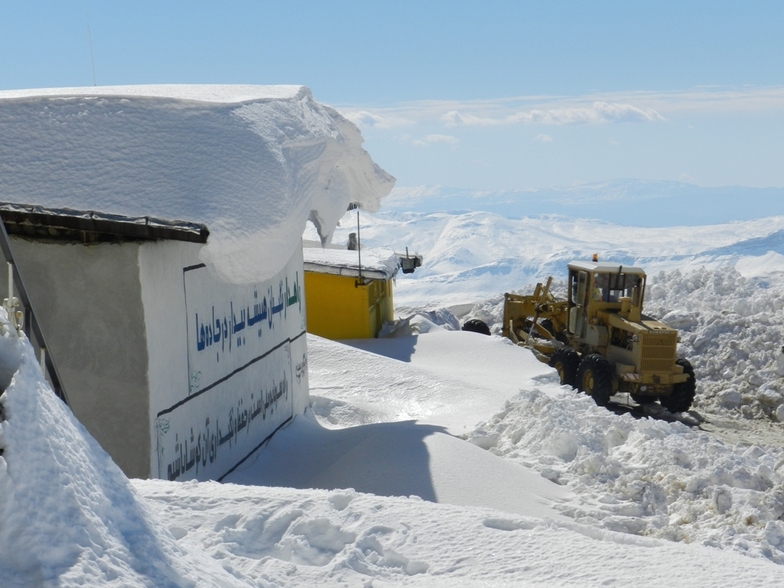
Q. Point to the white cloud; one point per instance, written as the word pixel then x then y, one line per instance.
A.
pixel 598 112
pixel 569 110
pixel 542 138
pixel 365 119
pixel 430 139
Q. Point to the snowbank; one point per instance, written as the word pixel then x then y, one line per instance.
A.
pixel 645 477
pixel 454 394
pixel 732 330
pixel 642 477
pixel 68 515
pixel 253 163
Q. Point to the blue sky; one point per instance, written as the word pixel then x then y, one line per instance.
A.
pixel 492 95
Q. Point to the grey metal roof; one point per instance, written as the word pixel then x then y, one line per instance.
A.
pixel 88 226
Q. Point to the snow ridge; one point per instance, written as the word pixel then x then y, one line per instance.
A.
pixel 645 477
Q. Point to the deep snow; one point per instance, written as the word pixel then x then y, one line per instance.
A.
pixel 469 464
pixel 70 518
pixel 253 163
pixel 722 286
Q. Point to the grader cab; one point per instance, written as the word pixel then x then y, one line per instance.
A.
pixel 598 338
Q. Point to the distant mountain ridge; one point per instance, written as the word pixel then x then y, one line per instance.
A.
pixel 643 203
pixel 474 255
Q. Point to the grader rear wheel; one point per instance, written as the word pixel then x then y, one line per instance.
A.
pixel 682 394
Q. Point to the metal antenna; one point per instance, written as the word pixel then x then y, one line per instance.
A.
pixel 359 248
pixel 90 42
pixel 355 206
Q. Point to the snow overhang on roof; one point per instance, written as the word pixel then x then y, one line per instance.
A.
pixel 91 227
pixel 254 163
pixel 377 264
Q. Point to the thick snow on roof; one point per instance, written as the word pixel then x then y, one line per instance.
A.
pixel 224 94
pixel 253 163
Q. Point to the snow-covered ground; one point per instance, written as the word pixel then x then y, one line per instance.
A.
pixel 549 489
pixel 445 457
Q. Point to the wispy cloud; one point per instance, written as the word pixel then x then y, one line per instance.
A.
pixel 430 139
pixel 598 112
pixel 708 100
pixel 606 108
pixel 542 138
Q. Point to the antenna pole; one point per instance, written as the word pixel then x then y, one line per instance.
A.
pixel 90 42
pixel 359 248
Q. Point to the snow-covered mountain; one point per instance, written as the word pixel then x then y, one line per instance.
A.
pixel 473 255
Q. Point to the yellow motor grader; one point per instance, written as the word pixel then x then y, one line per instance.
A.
pixel 599 340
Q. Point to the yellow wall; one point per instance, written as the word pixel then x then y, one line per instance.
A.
pixel 337 308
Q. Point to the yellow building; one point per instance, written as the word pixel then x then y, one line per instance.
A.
pixel 344 300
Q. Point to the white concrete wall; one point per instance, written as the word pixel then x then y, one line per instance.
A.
pixel 227 363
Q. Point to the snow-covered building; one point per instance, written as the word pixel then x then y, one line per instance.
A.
pixel 157 234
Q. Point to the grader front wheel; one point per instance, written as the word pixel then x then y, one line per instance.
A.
pixel 476 326
pixel 594 377
pixel 566 361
